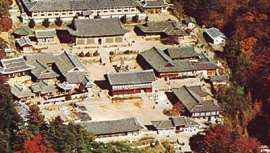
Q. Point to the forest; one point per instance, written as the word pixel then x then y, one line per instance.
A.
pixel 34 135
pixel 246 104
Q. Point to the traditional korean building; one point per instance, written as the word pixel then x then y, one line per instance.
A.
pixel 24 44
pixel 125 83
pixel 221 80
pixel 73 73
pixel 98 32
pixel 177 63
pixel 46 37
pixel 214 36
pixel 114 128
pixel 161 30
pixel 43 64
pixel 154 6
pixel 164 127
pixel 175 125
pixel 21 92
pixel 14 67
pixel 43 88
pixel 53 76
pixel 39 10
pixel 197 102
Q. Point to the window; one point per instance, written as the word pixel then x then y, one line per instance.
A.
pixel 112 10
pixel 49 14
pixel 109 40
pixel 56 14
pixel 119 10
pixel 80 41
pixel 125 10
pixel 42 14
pixel 64 13
pixel 90 41
pixel 70 13
pixel 118 39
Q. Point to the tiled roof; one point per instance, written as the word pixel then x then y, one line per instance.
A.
pixel 20 91
pixel 162 124
pixel 97 27
pixel 182 52
pixel 112 126
pixel 183 121
pixel 219 78
pixel 193 101
pixel 48 33
pixel 154 3
pixel 214 33
pixel 64 5
pixel 68 62
pixel 43 87
pixel 174 122
pixel 167 27
pixel 13 65
pixel 124 78
pixel 40 62
pixel 24 41
pixel 159 61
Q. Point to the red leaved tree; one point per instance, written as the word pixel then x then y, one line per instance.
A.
pixel 5 24
pixel 35 145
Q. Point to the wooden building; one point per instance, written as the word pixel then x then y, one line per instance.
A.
pixel 125 83
pixel 46 37
pixel 114 128
pixel 154 6
pixel 162 30
pixel 214 36
pixel 66 10
pixel 197 102
pixel 175 125
pixel 24 44
pixel 54 77
pixel 98 32
pixel 175 63
pixel 14 67
pixel 217 81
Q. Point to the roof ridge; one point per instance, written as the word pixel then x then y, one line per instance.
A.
pixel 164 56
pixel 194 95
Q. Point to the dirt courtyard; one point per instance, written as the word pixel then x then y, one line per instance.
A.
pixel 144 112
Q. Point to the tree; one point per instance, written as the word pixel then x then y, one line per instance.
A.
pixel 36 122
pixel 5 24
pixel 46 23
pixel 124 19
pixel 58 21
pixel 32 23
pixel 35 145
pixel 146 19
pixel 66 138
pixel 4 6
pixel 135 18
pixel 219 139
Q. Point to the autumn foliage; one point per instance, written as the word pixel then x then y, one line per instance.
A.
pixel 35 145
pixel 219 139
pixel 5 24
pixel 247 52
pixel 5 21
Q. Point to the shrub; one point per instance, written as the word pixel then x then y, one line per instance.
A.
pixel 58 22
pixel 46 23
pixel 32 23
